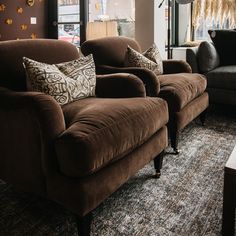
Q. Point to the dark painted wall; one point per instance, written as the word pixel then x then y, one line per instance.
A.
pixel 20 13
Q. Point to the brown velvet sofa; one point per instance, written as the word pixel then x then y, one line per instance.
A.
pixel 80 153
pixel 183 91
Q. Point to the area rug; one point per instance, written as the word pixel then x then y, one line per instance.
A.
pixel 186 200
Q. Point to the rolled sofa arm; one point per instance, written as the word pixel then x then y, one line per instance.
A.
pixel 176 66
pixel 29 124
pixel 150 80
pixel 191 58
pixel 120 85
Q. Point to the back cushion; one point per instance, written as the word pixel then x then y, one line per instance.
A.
pixel 44 50
pixel 224 41
pixel 109 50
pixel 208 58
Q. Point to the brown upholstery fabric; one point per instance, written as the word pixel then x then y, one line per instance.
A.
pixel 30 123
pixel 100 131
pixel 119 85
pixel 151 83
pixel 109 50
pixel 109 56
pixel 180 89
pixel 120 135
pixel 82 195
pixel 43 50
pixel 176 66
pixel 191 111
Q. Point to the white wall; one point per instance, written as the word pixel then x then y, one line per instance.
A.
pixel 184 23
pixel 150 24
pixel 160 29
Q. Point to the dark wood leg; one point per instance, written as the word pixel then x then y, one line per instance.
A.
pixel 228 219
pixel 158 164
pixel 202 117
pixel 174 138
pixel 84 224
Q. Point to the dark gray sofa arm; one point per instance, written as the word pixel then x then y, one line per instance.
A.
pixel 191 58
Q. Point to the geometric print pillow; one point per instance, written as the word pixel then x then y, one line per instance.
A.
pixel 136 59
pixel 83 70
pixel 154 55
pixel 64 81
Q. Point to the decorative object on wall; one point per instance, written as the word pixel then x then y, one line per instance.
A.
pixel 30 2
pixel 24 27
pixel 2 7
pixel 17 19
pixel 9 21
pixel 33 36
pixel 19 10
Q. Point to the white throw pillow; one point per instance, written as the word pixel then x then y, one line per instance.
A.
pixel 66 82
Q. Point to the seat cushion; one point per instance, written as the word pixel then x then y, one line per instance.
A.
pixel 100 131
pixel 180 89
pixel 223 77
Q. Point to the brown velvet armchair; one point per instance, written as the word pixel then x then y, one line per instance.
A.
pixel 183 91
pixel 77 154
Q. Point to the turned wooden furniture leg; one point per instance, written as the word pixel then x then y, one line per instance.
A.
pixel 158 164
pixel 84 224
pixel 202 117
pixel 174 138
pixel 229 197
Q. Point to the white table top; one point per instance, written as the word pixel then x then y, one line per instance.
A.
pixel 231 163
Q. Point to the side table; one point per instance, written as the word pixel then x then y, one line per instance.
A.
pixel 229 196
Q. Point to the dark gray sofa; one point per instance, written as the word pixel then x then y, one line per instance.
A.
pixel 221 79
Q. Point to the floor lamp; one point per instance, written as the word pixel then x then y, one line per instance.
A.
pixel 169 21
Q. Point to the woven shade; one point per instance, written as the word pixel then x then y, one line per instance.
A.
pixel 217 10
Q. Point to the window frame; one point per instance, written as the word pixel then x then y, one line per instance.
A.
pixel 53 19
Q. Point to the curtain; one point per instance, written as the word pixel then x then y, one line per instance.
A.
pixel 217 10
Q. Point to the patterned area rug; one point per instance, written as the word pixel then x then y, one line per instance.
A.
pixel 186 200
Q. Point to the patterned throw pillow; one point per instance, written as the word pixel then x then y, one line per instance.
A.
pixel 66 82
pixel 136 59
pixel 154 55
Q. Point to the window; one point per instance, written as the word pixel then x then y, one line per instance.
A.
pixel 201 32
pixel 68 2
pixel 212 14
pixel 111 17
pixel 69 21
